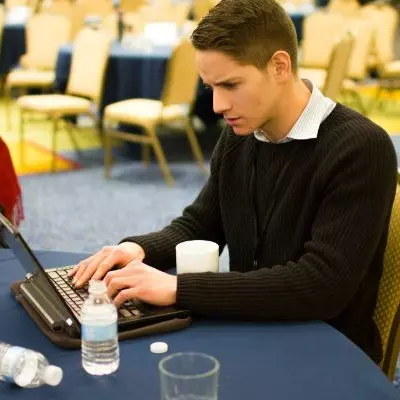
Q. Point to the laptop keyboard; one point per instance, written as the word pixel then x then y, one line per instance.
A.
pixel 75 297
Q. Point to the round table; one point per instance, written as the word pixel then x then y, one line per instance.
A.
pixel 259 360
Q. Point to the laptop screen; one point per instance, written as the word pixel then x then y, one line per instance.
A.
pixel 33 268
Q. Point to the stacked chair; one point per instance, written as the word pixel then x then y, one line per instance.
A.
pixel 321 32
pixel 385 19
pixel 84 88
pixel 45 33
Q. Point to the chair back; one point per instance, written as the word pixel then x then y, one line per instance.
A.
pixel 181 11
pixel 131 5
pixel 201 8
pixel 45 33
pixel 89 63
pixel 321 31
pixel 338 66
pixel 62 7
pixel 181 79
pixel 97 7
pixel 133 23
pixel 384 19
pixel 363 32
pixel 165 10
pixel 15 3
pixel 348 8
pixel 387 310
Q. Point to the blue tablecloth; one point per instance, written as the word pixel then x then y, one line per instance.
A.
pixel 298 19
pixel 12 46
pixel 280 361
pixel 130 73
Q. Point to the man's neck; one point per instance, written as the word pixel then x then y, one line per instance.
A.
pixel 288 111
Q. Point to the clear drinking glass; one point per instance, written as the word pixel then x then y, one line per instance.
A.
pixel 189 376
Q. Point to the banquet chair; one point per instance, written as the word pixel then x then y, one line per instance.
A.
pixel 348 8
pixel 320 33
pixel 97 7
pixel 387 310
pixel 62 7
pixel 385 19
pixel 358 67
pixel 133 23
pixel 178 95
pixel 15 3
pixel 201 8
pixel 38 63
pixel 338 66
pixel 131 5
pixel 84 87
pixel 165 11
pixel 357 72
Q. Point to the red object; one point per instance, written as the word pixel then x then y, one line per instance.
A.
pixel 10 191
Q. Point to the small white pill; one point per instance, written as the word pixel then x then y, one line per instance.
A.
pixel 159 347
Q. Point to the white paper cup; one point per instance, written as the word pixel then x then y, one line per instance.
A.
pixel 197 256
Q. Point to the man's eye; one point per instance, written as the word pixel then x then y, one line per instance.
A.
pixel 230 85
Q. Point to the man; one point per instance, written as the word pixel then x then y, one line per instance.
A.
pixel 300 191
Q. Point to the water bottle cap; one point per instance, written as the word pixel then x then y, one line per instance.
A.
pixel 53 375
pixel 97 287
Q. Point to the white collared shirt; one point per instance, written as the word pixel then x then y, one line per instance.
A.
pixel 306 127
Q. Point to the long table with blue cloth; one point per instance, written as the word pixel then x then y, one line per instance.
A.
pixel 259 360
pixel 13 46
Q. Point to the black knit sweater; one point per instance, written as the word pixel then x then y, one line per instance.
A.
pixel 305 222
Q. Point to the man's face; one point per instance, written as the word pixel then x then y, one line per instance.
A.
pixel 245 95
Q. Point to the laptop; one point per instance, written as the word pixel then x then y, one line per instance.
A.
pixel 51 294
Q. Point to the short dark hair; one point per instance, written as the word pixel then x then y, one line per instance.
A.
pixel 250 31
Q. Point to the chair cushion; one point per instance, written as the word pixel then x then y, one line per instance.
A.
pixel 30 78
pixel 391 69
pixel 144 112
pixel 55 104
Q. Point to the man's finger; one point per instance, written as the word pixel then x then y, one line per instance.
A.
pixel 125 295
pixel 125 272
pixel 81 264
pixel 117 284
pixel 89 270
pixel 108 263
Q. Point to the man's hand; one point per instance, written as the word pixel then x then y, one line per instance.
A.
pixel 140 281
pixel 101 262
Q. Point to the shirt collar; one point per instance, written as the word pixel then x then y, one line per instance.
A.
pixel 307 125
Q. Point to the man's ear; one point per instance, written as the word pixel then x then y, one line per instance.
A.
pixel 281 65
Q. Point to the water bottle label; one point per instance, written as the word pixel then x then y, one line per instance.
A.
pixel 9 362
pixel 100 333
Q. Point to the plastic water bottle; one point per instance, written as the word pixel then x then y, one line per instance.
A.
pixel 27 368
pixel 100 350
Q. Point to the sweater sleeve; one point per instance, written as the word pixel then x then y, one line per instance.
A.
pixel 199 221
pixel 348 227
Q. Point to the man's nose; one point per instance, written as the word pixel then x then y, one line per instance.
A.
pixel 221 104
